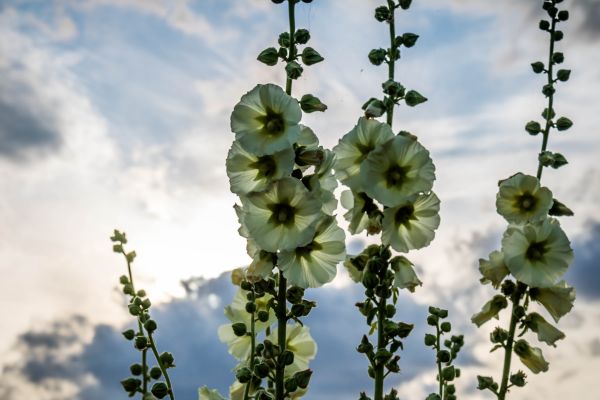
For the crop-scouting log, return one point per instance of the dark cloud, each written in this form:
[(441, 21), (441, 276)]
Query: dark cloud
[(584, 273), (187, 328), (29, 124)]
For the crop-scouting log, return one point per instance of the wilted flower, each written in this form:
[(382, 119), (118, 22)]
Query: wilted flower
[(300, 342), (265, 120), (545, 332), (405, 276), (397, 169), (354, 147), (314, 264), (250, 173), (521, 199), (531, 357), (283, 217), (412, 223), (357, 205), (558, 299), (493, 270), (537, 254), (490, 310)]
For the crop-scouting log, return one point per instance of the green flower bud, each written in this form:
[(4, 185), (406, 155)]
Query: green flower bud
[(261, 370), (124, 280), (533, 127), (250, 307), (131, 385), (150, 325), (563, 75), (135, 369), (558, 36), (310, 56), (537, 67), (508, 288), (563, 15), (414, 98), (518, 379), (160, 390), (287, 357), (155, 373), (130, 256), (548, 114), (167, 359), (563, 123), (558, 58), (432, 320), (443, 356), (118, 248), (302, 378), (409, 39), (239, 328), (141, 342), (446, 326), (293, 70), (548, 90), (245, 285), (451, 389), (128, 289), (129, 334), (382, 13), (365, 346), (405, 4), (393, 88), (243, 375), (269, 56), (377, 56), (118, 237), (146, 304), (382, 356), (291, 385), (498, 335), (544, 25), (433, 396), (448, 373), (485, 382), (430, 339), (302, 36), (390, 310), (369, 280), (310, 103), (263, 316), (404, 329), (284, 39)]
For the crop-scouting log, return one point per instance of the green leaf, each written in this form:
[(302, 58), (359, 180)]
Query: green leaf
[(414, 98), (310, 56), (563, 75), (533, 127), (559, 209), (537, 67), (563, 123), (409, 39), (269, 56)]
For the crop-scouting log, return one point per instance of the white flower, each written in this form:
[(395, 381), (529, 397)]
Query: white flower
[(521, 199), (557, 300), (300, 342), (397, 169), (545, 332), (314, 264), (250, 173), (283, 217), (355, 146), (405, 276), (493, 271), (490, 310), (266, 119), (412, 223), (532, 357), (204, 393), (537, 254)]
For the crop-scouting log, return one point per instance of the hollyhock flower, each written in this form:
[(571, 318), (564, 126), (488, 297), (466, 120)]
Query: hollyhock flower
[(354, 147), (531, 357), (397, 169), (521, 199), (537, 254), (493, 270), (265, 120), (204, 393), (405, 276), (545, 332), (300, 342), (314, 264), (490, 310), (283, 217), (412, 223), (557, 300), (250, 173)]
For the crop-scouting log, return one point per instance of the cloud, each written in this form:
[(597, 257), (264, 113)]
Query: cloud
[(584, 274)]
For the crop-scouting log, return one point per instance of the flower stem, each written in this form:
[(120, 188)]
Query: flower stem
[(161, 366), (392, 59), (292, 54), (381, 344), (439, 362), (508, 348), (252, 352), (546, 132), (281, 337)]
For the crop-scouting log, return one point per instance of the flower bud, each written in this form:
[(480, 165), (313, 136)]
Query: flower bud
[(405, 4), (302, 36), (518, 379), (310, 103), (167, 359), (432, 320), (310, 56), (409, 39), (443, 356), (150, 325), (537, 67), (293, 70), (123, 280), (129, 334), (302, 378), (141, 342), (287, 357), (160, 390), (263, 316), (448, 373), (558, 57), (239, 328), (446, 326), (414, 98), (558, 36), (377, 56), (533, 127), (284, 39), (155, 373), (498, 335), (291, 385), (135, 369), (382, 13), (486, 382), (369, 279), (563, 123), (268, 56), (131, 385), (563, 15), (490, 310), (544, 25), (430, 339), (261, 370)]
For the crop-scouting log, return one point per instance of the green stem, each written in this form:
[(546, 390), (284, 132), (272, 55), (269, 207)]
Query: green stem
[(381, 344), (292, 53), (144, 372), (281, 337), (508, 349), (439, 363), (392, 59), (252, 351), (161, 366), (546, 132)]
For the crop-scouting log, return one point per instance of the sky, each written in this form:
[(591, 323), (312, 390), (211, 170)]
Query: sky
[(115, 114)]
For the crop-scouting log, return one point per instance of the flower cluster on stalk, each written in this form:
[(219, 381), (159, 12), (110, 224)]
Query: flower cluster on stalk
[(285, 183), (535, 252)]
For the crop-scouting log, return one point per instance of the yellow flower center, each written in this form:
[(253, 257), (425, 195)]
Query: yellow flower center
[(395, 176), (282, 214), (273, 123), (266, 167), (526, 202)]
